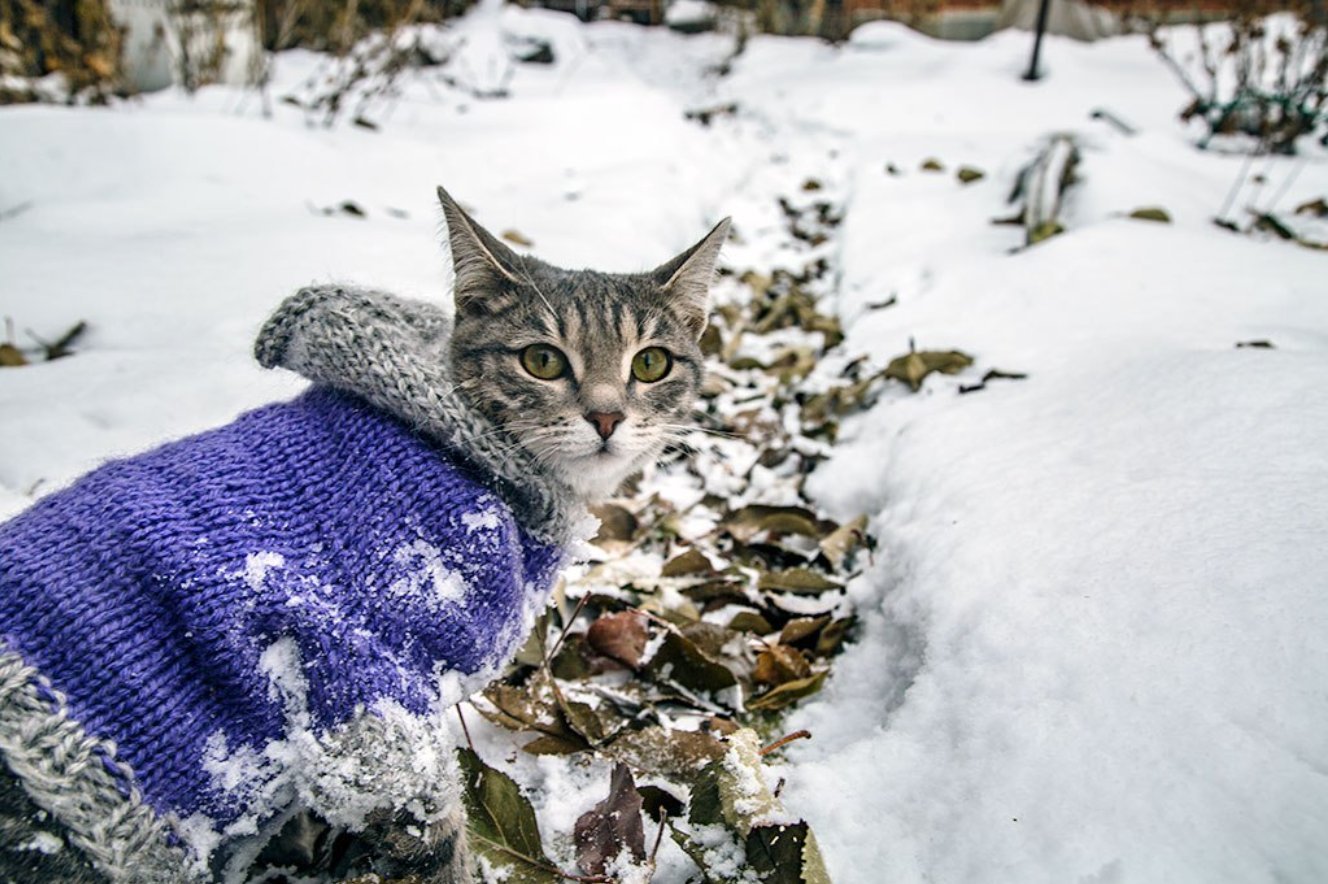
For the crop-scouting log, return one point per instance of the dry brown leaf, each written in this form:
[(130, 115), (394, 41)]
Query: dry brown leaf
[(912, 368), (611, 826), (798, 580), (693, 561), (779, 664), (839, 543), (11, 356), (620, 637)]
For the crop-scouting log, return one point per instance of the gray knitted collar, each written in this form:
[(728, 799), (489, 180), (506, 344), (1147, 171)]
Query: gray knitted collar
[(393, 353)]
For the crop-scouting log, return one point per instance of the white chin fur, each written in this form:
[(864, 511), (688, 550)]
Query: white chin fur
[(596, 477)]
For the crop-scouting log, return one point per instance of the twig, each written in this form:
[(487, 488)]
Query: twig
[(576, 612), (1236, 187), (659, 836), (784, 741), (60, 347), (465, 730)]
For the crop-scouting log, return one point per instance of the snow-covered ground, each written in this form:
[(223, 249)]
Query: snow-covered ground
[(1092, 643)]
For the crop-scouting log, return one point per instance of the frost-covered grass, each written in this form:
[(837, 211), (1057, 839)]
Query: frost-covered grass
[(1091, 646)]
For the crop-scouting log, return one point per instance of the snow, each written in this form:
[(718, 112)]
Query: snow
[(426, 577), (383, 757), (690, 13), (256, 568), (485, 521), (1091, 641), (43, 842)]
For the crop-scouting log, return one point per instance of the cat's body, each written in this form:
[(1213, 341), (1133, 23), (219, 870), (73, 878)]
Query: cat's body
[(296, 598)]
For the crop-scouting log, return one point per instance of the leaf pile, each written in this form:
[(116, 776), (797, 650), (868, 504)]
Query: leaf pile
[(716, 598)]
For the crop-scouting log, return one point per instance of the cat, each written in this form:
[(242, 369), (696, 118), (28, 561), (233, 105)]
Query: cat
[(320, 577)]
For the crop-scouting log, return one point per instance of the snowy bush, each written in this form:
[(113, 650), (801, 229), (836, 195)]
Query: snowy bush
[(1260, 75)]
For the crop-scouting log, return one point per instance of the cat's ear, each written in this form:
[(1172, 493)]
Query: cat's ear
[(687, 278), (482, 265)]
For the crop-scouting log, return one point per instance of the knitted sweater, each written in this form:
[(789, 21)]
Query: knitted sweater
[(276, 611)]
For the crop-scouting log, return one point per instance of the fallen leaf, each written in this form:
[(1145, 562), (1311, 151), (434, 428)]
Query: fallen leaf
[(1270, 223), (616, 523), (621, 637), (1151, 213), (754, 519), (801, 628), (785, 853), (657, 802), (693, 561), (1045, 230), (780, 664), (502, 824), (1316, 207), (968, 174), (750, 621), (840, 543), (680, 660), (833, 636), (797, 580), (931, 164), (675, 754), (612, 826), (548, 744), (912, 368), (11, 356), (515, 237), (789, 692)]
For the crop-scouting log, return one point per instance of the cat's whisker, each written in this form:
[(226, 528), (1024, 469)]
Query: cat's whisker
[(693, 428), (531, 282)]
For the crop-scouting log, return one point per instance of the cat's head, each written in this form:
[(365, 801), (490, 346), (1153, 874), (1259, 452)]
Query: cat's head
[(591, 373)]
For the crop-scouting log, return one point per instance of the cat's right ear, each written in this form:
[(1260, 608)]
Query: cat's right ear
[(482, 265), (687, 278)]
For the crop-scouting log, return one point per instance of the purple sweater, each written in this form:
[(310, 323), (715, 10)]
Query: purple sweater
[(179, 630), (148, 592)]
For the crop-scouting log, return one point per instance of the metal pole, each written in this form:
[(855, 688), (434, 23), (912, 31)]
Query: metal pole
[(1037, 41)]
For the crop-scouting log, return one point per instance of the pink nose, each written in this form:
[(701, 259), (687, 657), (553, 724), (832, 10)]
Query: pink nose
[(605, 421)]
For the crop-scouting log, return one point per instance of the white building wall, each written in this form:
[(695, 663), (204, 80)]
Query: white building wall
[(151, 50)]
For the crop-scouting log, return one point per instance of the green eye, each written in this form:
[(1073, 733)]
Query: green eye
[(544, 362), (651, 364)]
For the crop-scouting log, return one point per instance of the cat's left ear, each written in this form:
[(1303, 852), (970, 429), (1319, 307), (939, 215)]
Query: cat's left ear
[(482, 265), (687, 278)]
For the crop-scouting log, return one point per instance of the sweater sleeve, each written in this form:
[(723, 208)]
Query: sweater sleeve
[(389, 350)]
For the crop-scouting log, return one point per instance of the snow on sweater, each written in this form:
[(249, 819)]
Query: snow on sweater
[(217, 607)]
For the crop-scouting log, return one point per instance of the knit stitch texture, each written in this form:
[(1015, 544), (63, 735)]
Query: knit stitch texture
[(350, 550)]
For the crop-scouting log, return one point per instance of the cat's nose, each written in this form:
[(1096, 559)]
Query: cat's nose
[(605, 421)]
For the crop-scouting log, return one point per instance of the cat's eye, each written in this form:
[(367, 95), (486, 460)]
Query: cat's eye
[(544, 362), (651, 364)]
